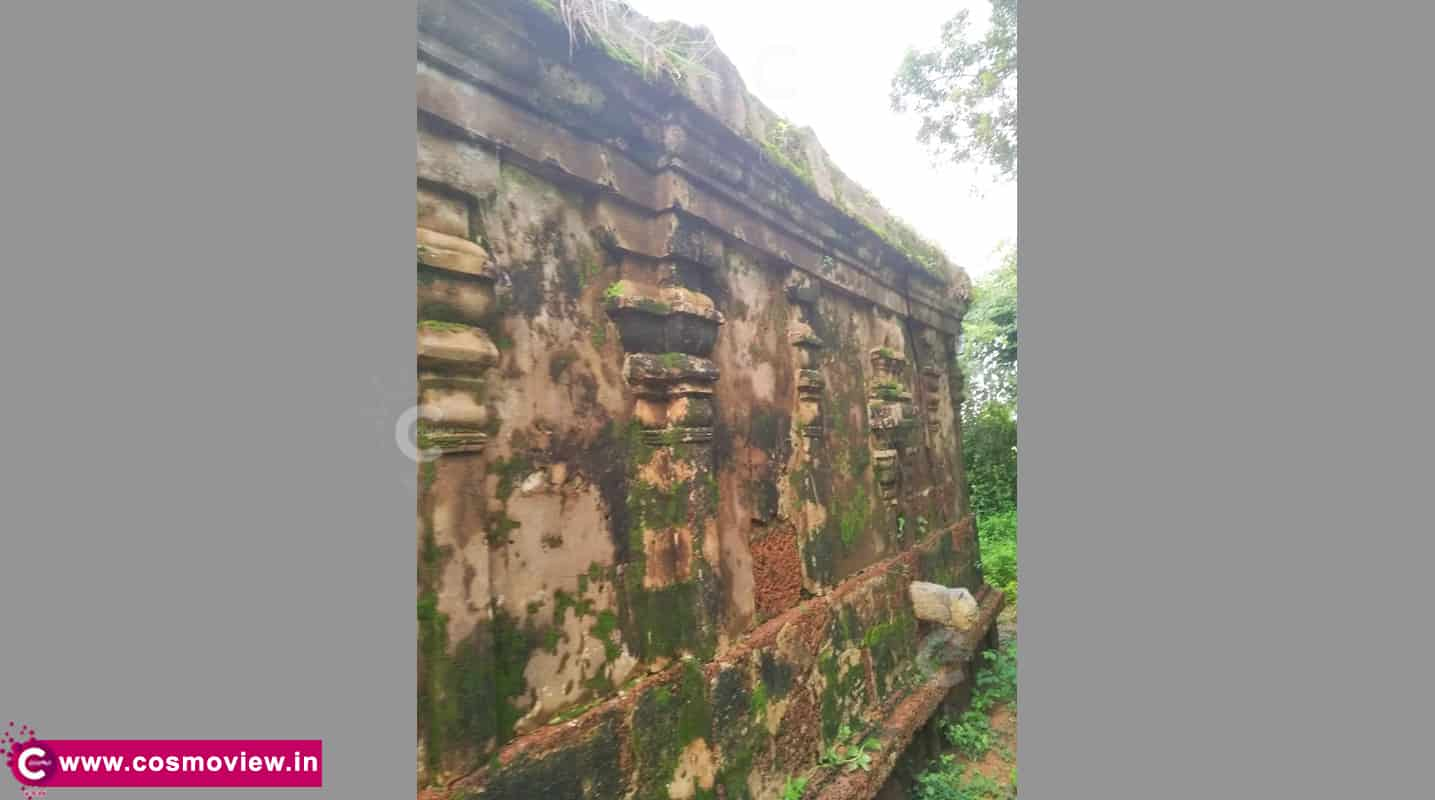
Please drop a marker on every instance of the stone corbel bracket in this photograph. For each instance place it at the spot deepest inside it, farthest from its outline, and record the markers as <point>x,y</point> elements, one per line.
<point>803,292</point>
<point>455,295</point>
<point>670,319</point>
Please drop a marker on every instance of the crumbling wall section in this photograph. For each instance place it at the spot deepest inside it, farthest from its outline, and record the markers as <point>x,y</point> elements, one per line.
<point>691,416</point>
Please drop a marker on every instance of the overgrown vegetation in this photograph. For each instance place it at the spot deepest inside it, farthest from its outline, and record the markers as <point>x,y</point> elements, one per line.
<point>783,146</point>
<point>989,338</point>
<point>669,50</point>
<point>793,789</point>
<point>948,780</point>
<point>972,736</point>
<point>989,440</point>
<point>849,754</point>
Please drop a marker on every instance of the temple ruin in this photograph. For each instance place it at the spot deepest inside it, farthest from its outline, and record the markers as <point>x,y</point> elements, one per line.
<point>691,401</point>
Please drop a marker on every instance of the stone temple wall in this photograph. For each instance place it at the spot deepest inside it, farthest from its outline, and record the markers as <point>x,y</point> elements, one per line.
<point>693,401</point>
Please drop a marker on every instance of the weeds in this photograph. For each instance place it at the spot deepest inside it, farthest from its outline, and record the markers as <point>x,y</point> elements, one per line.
<point>947,780</point>
<point>793,789</point>
<point>971,735</point>
<point>850,757</point>
<point>670,50</point>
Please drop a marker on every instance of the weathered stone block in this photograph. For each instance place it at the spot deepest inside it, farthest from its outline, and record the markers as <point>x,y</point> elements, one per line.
<point>463,166</point>
<point>442,213</point>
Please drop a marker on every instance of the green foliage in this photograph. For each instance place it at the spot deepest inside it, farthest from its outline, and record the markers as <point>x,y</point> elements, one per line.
<point>989,450</point>
<point>971,733</point>
<point>989,429</point>
<point>784,148</point>
<point>989,355</point>
<point>996,680</point>
<point>851,757</point>
<point>997,534</point>
<point>947,780</point>
<point>793,789</point>
<point>965,90</point>
<point>670,51</point>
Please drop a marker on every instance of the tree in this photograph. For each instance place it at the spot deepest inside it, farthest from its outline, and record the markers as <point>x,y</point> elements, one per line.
<point>988,355</point>
<point>989,428</point>
<point>965,91</point>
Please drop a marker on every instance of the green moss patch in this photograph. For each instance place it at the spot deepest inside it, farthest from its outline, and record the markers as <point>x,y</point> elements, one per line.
<point>586,769</point>
<point>666,720</point>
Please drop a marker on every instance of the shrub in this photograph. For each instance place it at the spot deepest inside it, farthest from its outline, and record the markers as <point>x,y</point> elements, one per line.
<point>997,535</point>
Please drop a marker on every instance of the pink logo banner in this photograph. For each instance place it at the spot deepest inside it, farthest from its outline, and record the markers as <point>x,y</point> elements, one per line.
<point>167,763</point>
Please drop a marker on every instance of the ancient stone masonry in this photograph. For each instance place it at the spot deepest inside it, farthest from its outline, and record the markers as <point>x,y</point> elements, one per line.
<point>689,406</point>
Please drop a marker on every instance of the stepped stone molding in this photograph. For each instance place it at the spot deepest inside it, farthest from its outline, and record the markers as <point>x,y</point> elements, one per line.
<point>454,354</point>
<point>803,293</point>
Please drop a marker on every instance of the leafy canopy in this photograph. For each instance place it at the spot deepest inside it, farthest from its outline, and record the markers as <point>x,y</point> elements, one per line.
<point>964,91</point>
<point>988,357</point>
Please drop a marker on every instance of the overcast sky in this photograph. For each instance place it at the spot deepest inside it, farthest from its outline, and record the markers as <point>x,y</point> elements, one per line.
<point>829,65</point>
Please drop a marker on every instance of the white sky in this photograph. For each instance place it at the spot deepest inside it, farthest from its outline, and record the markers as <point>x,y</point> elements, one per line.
<point>829,65</point>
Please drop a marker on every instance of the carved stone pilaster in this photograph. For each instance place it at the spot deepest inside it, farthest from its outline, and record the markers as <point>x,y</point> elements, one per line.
<point>803,293</point>
<point>455,295</point>
<point>891,415</point>
<point>932,388</point>
<point>668,333</point>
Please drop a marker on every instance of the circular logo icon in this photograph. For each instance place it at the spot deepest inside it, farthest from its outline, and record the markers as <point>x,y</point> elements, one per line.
<point>34,763</point>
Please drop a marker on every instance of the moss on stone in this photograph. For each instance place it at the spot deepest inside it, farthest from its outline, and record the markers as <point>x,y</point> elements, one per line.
<point>443,327</point>
<point>466,698</point>
<point>551,638</point>
<point>510,471</point>
<point>853,517</point>
<point>665,721</point>
<point>586,769</point>
<point>562,601</point>
<point>784,148</point>
<point>656,508</point>
<point>830,709</point>
<point>889,391</point>
<point>499,529</point>
<point>664,621</point>
<point>655,307</point>
<point>759,700</point>
<point>843,693</point>
<point>603,631</point>
<point>769,429</point>
<point>775,673</point>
